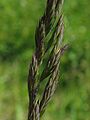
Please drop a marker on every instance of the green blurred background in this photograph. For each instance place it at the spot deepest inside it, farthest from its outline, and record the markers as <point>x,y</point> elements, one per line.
<point>18,19</point>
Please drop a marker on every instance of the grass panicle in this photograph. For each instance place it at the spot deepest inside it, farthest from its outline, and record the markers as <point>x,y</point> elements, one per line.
<point>48,39</point>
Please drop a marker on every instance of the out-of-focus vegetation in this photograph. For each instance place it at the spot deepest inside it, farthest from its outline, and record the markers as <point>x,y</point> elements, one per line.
<point>18,19</point>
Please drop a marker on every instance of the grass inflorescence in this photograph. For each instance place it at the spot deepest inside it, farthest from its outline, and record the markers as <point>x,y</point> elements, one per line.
<point>48,39</point>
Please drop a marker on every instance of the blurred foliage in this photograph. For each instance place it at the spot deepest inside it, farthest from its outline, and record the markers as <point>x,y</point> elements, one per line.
<point>18,19</point>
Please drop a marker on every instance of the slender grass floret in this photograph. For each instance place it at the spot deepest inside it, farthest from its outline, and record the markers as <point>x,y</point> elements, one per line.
<point>48,39</point>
